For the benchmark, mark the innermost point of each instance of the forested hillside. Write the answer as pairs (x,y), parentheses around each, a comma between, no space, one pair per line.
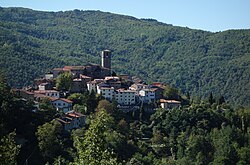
(198,62)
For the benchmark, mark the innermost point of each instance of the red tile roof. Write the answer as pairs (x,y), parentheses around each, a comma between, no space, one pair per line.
(169,101)
(66,100)
(45,91)
(63,99)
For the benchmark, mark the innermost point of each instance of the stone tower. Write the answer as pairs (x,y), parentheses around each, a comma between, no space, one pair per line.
(106,59)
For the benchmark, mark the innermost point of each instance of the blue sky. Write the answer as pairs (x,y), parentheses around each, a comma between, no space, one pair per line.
(210,15)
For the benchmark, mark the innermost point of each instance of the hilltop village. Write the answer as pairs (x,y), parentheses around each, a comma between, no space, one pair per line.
(129,93)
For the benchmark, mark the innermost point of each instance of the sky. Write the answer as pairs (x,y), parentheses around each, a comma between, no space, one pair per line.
(209,15)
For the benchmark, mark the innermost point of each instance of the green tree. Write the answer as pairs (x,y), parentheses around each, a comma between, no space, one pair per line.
(48,136)
(223,141)
(45,104)
(106,105)
(93,148)
(80,108)
(158,143)
(244,156)
(9,149)
(171,93)
(91,101)
(64,81)
(77,98)
(211,98)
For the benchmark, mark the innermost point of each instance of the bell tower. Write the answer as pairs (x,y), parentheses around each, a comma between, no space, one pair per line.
(106,59)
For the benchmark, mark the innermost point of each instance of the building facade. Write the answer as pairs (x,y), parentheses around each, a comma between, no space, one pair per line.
(72,120)
(147,95)
(125,97)
(170,104)
(63,105)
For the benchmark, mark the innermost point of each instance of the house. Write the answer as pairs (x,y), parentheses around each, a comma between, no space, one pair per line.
(158,92)
(78,86)
(39,81)
(147,95)
(113,82)
(92,85)
(85,78)
(125,97)
(45,86)
(137,87)
(48,76)
(72,120)
(170,104)
(107,92)
(62,104)
(25,94)
(125,77)
(47,93)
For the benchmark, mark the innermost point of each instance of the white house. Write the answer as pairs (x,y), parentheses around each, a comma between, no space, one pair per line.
(137,87)
(48,76)
(92,85)
(125,97)
(147,95)
(170,104)
(107,92)
(72,120)
(62,104)
(48,93)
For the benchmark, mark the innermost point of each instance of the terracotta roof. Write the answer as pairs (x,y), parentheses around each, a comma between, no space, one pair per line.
(63,99)
(149,89)
(66,100)
(169,101)
(106,87)
(38,95)
(45,91)
(53,98)
(77,79)
(74,67)
(124,90)
(74,114)
(69,117)
(27,92)
(157,84)
(62,121)
(85,77)
(96,81)
(111,77)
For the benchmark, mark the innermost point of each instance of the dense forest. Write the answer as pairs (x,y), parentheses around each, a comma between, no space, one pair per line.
(205,132)
(195,61)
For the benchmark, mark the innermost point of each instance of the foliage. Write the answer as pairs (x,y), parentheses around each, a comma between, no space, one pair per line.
(171,93)
(48,136)
(45,104)
(92,147)
(107,106)
(64,81)
(9,149)
(77,98)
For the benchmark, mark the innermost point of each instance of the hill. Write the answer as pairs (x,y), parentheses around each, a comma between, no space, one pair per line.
(196,61)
